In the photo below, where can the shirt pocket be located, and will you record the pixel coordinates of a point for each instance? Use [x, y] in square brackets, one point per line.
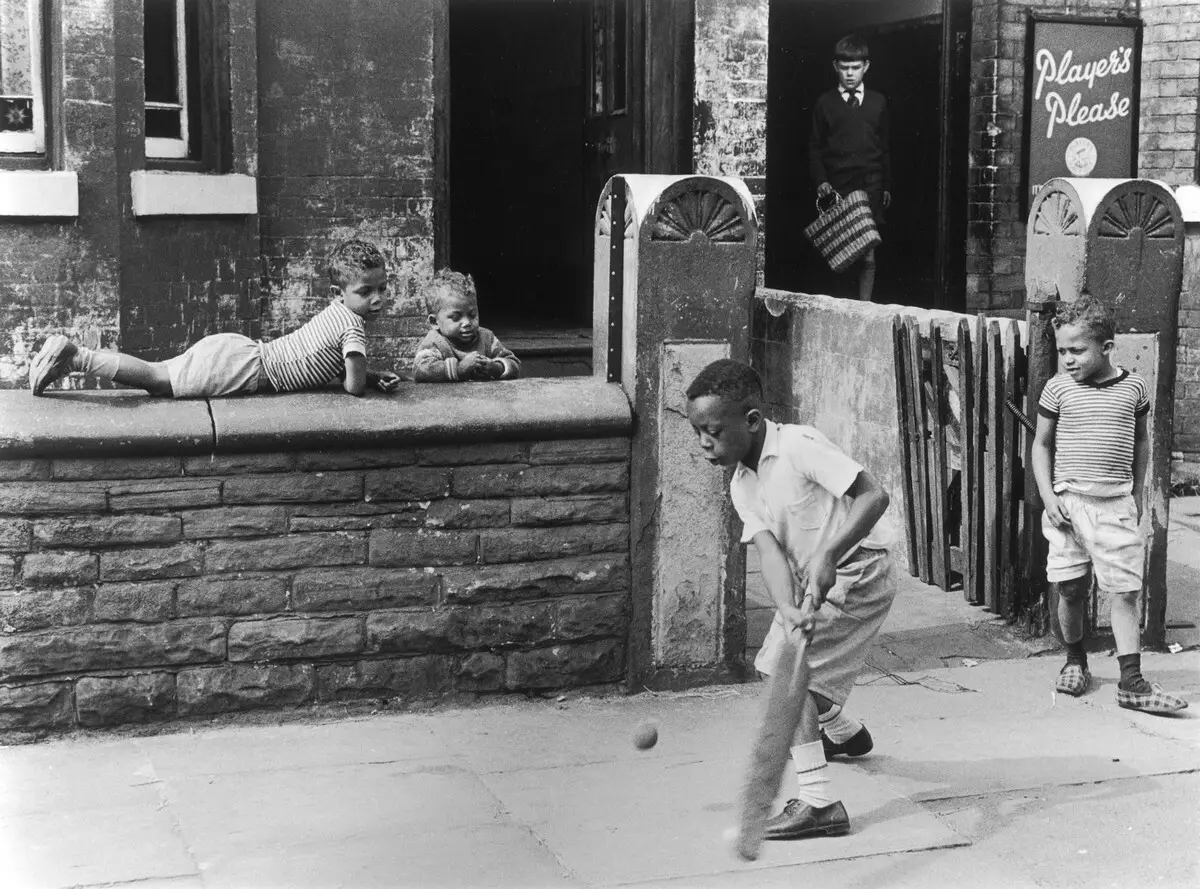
[804, 520]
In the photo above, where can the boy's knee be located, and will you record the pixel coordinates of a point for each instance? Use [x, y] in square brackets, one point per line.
[868, 259]
[1074, 590]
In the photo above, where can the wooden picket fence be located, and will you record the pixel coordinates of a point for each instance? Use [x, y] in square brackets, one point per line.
[968, 525]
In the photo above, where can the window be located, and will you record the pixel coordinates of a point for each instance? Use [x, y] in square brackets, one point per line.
[172, 74]
[22, 109]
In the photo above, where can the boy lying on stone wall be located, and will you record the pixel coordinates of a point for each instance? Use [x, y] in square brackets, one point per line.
[332, 345]
[457, 349]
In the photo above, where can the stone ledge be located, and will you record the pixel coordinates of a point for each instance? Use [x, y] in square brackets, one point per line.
[127, 424]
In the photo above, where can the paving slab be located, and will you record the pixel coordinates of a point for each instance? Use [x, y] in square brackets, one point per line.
[614, 823]
[93, 846]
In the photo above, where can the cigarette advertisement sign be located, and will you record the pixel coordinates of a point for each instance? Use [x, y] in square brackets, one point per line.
[1082, 99]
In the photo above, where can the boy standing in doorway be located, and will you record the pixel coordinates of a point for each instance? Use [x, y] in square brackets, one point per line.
[848, 146]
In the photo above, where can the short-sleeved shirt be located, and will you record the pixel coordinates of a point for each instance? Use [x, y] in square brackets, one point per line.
[799, 493]
[1095, 433]
[310, 357]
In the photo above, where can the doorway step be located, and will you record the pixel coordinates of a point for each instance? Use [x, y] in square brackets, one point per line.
[557, 352]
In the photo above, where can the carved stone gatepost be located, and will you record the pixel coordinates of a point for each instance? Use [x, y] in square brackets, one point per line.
[1121, 240]
[672, 293]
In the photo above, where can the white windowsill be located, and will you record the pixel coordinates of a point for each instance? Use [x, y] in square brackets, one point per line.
[52, 193]
[193, 194]
[1189, 202]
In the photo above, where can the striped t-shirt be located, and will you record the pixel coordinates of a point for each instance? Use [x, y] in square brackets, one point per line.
[310, 357]
[1095, 433]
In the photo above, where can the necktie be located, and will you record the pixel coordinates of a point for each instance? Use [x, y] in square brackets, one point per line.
[852, 99]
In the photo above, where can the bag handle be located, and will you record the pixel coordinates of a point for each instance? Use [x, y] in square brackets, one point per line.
[834, 199]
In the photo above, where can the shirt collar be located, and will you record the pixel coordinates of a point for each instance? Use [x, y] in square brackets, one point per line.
[860, 92]
[770, 447]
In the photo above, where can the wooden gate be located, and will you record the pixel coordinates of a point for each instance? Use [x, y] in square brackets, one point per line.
[964, 442]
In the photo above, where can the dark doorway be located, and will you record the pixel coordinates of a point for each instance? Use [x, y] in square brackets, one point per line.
[915, 263]
[519, 217]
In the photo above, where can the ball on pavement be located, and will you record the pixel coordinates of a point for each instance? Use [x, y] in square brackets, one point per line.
[645, 736]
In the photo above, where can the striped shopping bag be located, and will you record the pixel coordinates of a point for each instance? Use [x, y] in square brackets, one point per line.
[845, 231]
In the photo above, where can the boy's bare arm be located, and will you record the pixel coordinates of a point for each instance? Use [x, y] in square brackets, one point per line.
[777, 575]
[870, 503]
[1043, 469]
[1141, 460]
[354, 375]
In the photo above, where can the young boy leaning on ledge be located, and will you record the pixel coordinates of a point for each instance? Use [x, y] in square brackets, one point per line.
[332, 345]
[457, 349]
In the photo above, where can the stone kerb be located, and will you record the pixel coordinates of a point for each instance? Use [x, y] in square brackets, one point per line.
[145, 588]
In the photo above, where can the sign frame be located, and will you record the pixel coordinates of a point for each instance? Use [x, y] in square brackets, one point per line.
[1132, 24]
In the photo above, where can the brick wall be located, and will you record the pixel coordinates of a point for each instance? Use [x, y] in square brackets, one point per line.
[347, 150]
[1170, 80]
[142, 589]
[729, 118]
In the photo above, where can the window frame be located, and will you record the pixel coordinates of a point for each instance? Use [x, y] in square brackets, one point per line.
[159, 148]
[14, 145]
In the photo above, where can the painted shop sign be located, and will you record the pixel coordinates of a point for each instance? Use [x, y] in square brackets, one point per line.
[1081, 88]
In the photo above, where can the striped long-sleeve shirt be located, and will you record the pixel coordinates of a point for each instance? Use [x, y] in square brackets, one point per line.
[1095, 433]
[436, 360]
[315, 354]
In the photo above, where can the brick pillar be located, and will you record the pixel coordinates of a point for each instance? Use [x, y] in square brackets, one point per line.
[730, 106]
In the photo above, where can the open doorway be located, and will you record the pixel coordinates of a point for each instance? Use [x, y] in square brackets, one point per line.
[516, 166]
[920, 260]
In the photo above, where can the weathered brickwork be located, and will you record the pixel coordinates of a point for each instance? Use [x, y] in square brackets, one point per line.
[150, 286]
[349, 154]
[1185, 445]
[1170, 80]
[729, 119]
[281, 579]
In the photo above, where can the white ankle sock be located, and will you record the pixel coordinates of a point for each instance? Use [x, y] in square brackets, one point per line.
[96, 363]
[838, 727]
[812, 775]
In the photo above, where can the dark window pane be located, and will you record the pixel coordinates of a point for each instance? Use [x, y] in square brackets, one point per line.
[16, 115]
[162, 124]
[162, 82]
[619, 49]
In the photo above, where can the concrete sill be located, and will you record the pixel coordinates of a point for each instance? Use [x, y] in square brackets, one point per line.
[39, 193]
[127, 424]
[193, 194]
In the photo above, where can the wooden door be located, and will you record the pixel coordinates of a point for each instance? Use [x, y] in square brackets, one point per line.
[612, 131]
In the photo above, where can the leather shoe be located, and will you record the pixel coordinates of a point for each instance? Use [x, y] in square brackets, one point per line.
[799, 820]
[858, 745]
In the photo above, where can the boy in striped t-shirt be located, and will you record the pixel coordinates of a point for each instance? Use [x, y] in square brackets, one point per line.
[1089, 457]
[332, 345]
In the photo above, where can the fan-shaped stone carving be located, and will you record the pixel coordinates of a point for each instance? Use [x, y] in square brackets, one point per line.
[1137, 210]
[1056, 215]
[705, 212]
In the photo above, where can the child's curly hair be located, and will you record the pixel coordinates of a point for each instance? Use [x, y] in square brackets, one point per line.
[1089, 313]
[351, 258]
[729, 380]
[446, 281]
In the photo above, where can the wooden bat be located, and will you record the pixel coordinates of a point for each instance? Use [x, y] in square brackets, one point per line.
[787, 694]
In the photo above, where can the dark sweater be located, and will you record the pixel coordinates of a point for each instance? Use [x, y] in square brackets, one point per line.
[849, 146]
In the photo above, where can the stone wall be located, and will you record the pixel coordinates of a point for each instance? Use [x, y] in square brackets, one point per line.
[169, 585]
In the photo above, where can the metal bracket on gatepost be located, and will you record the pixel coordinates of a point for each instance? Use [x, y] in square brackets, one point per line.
[616, 275]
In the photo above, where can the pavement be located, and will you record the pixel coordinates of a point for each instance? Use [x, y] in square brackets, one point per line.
[981, 777]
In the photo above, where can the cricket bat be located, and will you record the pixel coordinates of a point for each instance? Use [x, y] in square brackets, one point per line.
[787, 694]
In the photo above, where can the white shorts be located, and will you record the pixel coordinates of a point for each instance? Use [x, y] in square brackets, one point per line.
[846, 625]
[221, 364]
[1103, 534]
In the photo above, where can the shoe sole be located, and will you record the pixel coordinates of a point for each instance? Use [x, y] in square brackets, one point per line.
[47, 367]
[832, 830]
[1147, 708]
